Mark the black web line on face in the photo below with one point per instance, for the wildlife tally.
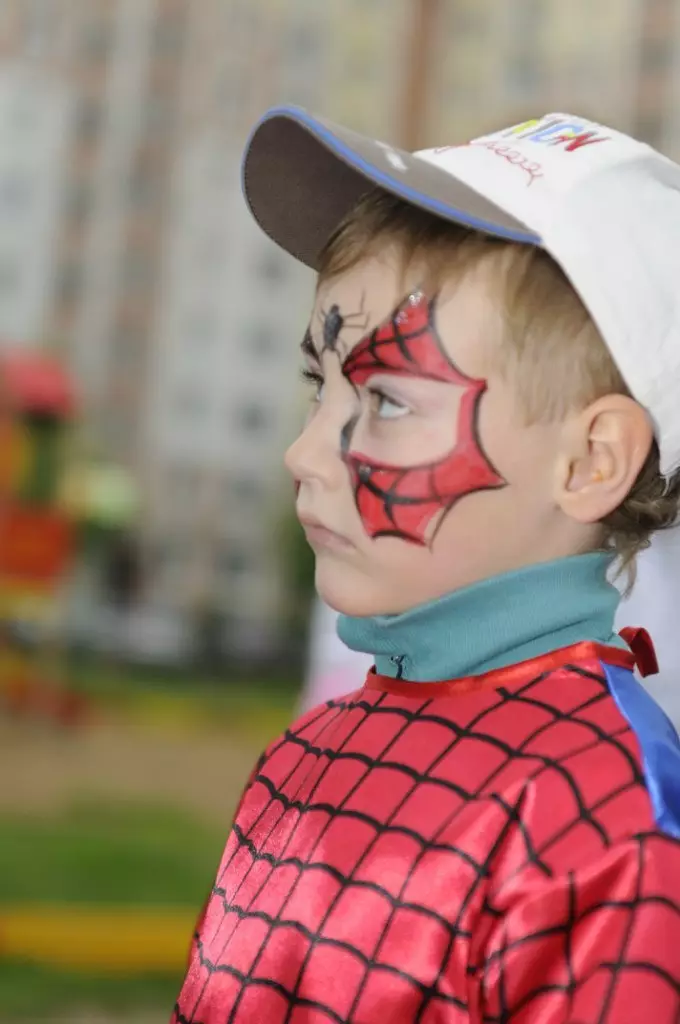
(400, 338)
(307, 346)
(365, 471)
(372, 343)
(370, 340)
(334, 322)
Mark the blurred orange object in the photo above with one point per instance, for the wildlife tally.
(35, 543)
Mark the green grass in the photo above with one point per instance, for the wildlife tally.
(125, 853)
(30, 993)
(107, 854)
(257, 709)
(120, 682)
(99, 854)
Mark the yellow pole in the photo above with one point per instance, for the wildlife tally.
(98, 940)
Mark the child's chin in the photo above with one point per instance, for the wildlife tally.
(350, 592)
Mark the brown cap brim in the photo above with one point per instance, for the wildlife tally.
(302, 175)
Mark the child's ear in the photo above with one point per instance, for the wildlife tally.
(605, 447)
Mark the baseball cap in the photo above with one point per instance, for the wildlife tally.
(605, 206)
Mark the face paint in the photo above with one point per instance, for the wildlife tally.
(333, 322)
(398, 501)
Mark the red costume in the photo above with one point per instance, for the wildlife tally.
(498, 848)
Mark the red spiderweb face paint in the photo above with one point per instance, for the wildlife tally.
(402, 501)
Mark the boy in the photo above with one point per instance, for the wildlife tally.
(488, 829)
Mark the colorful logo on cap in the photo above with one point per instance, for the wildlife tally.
(555, 130)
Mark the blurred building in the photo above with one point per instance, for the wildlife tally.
(181, 319)
(616, 61)
(124, 241)
(224, 367)
(34, 124)
(656, 113)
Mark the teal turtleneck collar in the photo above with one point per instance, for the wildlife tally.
(492, 624)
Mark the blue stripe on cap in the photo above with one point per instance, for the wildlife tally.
(659, 744)
(392, 184)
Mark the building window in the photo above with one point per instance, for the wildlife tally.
(234, 561)
(9, 274)
(159, 116)
(211, 251)
(190, 403)
(650, 128)
(467, 19)
(144, 187)
(304, 42)
(271, 269)
(88, 120)
(523, 75)
(15, 193)
(95, 41)
(120, 432)
(202, 326)
(39, 25)
(246, 490)
(169, 36)
(262, 341)
(24, 113)
(79, 202)
(528, 16)
(656, 53)
(129, 349)
(169, 562)
(137, 270)
(253, 419)
(69, 283)
(184, 485)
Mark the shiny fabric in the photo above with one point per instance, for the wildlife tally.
(469, 853)
(658, 743)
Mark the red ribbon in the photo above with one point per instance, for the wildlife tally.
(642, 646)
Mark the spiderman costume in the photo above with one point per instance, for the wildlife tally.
(502, 847)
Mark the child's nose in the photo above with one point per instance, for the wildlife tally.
(315, 454)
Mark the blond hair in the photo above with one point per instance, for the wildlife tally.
(554, 350)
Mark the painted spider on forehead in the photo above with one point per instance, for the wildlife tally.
(334, 322)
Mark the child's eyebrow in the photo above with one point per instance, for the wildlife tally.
(307, 346)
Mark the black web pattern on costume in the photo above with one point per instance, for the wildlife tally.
(338, 748)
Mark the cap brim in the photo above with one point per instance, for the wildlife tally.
(302, 175)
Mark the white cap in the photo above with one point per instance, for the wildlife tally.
(606, 208)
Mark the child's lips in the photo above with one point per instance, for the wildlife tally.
(321, 536)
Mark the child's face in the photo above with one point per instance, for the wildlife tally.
(416, 473)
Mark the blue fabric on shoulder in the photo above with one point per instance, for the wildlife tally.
(659, 744)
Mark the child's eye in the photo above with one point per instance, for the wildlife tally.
(315, 380)
(387, 408)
